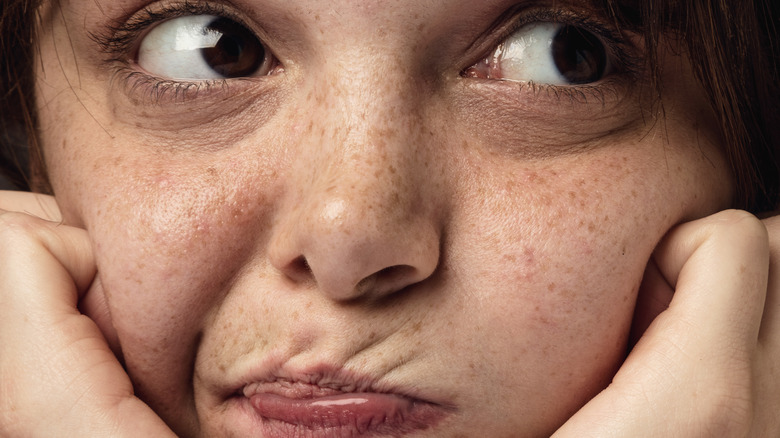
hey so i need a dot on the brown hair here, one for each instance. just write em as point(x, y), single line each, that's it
point(732, 46)
point(20, 157)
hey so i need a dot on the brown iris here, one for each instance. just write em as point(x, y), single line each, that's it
point(579, 55)
point(237, 53)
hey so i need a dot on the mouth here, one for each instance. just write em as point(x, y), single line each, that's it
point(314, 407)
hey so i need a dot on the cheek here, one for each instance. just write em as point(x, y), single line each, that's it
point(553, 256)
point(169, 243)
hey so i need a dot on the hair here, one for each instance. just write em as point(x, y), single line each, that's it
point(732, 46)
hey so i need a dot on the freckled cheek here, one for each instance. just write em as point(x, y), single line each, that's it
point(557, 258)
point(569, 295)
point(167, 258)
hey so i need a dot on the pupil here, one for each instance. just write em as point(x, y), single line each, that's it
point(579, 55)
point(230, 46)
point(238, 53)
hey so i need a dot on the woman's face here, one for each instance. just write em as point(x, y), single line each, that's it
point(392, 217)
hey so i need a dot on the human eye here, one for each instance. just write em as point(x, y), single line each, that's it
point(184, 50)
point(203, 47)
point(554, 50)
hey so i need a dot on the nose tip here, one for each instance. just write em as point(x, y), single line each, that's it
point(353, 251)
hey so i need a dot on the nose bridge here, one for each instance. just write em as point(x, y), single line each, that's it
point(360, 222)
point(367, 149)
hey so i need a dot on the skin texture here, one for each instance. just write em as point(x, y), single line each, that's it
point(473, 243)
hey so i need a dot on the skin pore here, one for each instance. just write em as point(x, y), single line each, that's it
point(370, 215)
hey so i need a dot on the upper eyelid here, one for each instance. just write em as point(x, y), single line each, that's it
point(514, 19)
point(118, 39)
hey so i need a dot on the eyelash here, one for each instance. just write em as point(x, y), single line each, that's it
point(627, 61)
point(119, 43)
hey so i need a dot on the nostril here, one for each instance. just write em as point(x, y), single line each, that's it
point(387, 280)
point(394, 274)
point(299, 269)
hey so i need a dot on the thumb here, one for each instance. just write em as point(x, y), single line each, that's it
point(690, 373)
point(655, 295)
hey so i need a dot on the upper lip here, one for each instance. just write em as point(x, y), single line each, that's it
point(320, 381)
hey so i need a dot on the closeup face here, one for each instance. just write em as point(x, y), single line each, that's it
point(367, 217)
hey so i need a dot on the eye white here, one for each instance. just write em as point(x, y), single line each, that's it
point(527, 55)
point(172, 49)
point(553, 54)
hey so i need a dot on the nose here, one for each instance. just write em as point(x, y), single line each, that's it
point(363, 222)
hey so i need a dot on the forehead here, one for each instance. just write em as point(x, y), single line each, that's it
point(334, 12)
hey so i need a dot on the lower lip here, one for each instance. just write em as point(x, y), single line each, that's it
point(343, 415)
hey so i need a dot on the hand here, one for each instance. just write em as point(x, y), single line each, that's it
point(58, 376)
point(709, 364)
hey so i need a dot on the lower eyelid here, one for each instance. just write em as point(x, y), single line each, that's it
point(529, 96)
point(147, 89)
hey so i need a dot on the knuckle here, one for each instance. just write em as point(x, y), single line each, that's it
point(14, 224)
point(741, 222)
point(18, 230)
point(738, 229)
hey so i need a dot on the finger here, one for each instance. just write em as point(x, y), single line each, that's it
point(692, 370)
point(654, 297)
point(57, 374)
point(721, 263)
point(34, 204)
point(766, 421)
point(94, 305)
point(770, 323)
point(45, 257)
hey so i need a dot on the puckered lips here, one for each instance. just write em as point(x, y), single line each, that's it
point(302, 409)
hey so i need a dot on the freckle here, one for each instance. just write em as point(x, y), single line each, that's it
point(551, 287)
point(529, 256)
